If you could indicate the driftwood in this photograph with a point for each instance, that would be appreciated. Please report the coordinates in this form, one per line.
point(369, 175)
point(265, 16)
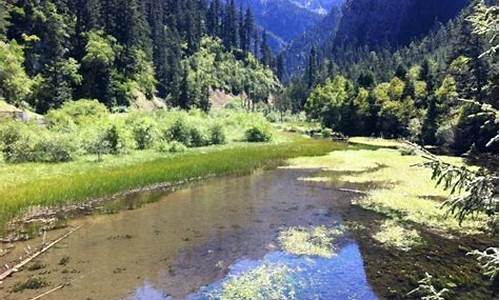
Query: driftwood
point(49, 292)
point(17, 267)
point(352, 191)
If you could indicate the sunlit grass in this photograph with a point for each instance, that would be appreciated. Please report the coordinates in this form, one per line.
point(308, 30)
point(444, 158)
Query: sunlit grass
point(398, 188)
point(266, 282)
point(315, 241)
point(55, 184)
point(394, 235)
point(377, 142)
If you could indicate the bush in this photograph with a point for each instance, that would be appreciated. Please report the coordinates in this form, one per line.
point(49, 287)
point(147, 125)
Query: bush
point(407, 150)
point(21, 143)
point(217, 135)
point(145, 133)
point(179, 132)
point(22, 150)
point(17, 143)
point(77, 112)
point(198, 138)
point(258, 134)
point(115, 137)
point(326, 132)
point(54, 148)
point(172, 147)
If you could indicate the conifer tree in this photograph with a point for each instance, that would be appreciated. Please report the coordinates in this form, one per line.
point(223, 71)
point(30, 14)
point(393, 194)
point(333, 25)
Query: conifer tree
point(312, 68)
point(266, 55)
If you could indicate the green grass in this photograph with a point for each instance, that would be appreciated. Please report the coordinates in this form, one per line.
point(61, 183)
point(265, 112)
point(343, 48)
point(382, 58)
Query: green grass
point(28, 185)
point(316, 241)
point(271, 281)
point(394, 186)
point(394, 235)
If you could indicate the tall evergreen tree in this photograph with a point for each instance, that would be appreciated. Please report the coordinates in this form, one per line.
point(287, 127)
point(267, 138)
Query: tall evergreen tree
point(4, 19)
point(312, 68)
point(214, 18)
point(266, 55)
point(230, 26)
point(249, 31)
point(280, 67)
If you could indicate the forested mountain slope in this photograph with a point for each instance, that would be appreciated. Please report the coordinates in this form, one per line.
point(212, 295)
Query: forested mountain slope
point(376, 24)
point(392, 22)
point(285, 20)
point(114, 51)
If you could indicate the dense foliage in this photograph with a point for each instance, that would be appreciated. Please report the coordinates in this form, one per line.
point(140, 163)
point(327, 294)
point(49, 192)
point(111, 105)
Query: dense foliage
point(86, 127)
point(413, 92)
point(117, 51)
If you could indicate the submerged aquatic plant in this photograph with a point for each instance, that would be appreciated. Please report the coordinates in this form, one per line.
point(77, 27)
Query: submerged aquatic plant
point(266, 282)
point(392, 234)
point(316, 241)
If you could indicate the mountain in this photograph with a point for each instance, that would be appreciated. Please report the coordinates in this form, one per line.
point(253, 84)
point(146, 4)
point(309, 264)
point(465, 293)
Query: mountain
point(372, 23)
point(297, 52)
point(284, 20)
point(393, 22)
point(320, 7)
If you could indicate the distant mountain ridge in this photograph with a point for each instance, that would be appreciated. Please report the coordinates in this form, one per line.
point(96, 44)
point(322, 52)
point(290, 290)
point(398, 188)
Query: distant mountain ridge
point(372, 23)
point(392, 22)
point(285, 20)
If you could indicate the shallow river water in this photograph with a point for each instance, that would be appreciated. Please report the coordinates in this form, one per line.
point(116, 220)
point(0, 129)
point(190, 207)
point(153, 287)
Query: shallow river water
point(186, 243)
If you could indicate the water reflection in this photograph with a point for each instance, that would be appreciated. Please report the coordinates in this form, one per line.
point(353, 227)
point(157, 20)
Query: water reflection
point(340, 277)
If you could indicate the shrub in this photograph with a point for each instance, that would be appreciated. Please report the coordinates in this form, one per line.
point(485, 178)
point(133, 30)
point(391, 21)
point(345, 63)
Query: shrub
point(22, 144)
point(217, 135)
point(198, 138)
point(77, 112)
point(22, 150)
point(326, 132)
point(17, 143)
point(115, 137)
point(172, 147)
point(179, 132)
point(145, 133)
point(54, 148)
point(406, 150)
point(258, 134)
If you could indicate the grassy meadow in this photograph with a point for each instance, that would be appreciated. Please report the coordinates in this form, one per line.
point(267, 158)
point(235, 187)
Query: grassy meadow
point(393, 185)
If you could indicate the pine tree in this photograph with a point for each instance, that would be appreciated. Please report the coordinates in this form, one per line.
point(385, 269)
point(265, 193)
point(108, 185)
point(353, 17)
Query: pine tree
point(312, 68)
point(4, 19)
point(430, 126)
point(174, 78)
point(266, 55)
point(159, 42)
point(280, 67)
point(185, 100)
point(214, 19)
point(230, 26)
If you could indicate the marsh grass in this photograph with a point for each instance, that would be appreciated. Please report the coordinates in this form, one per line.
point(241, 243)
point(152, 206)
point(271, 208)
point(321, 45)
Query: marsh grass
point(58, 184)
point(394, 235)
point(377, 142)
point(269, 281)
point(315, 241)
point(398, 188)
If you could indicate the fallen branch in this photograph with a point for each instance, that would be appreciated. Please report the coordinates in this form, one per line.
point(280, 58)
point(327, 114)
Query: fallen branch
point(49, 292)
point(17, 267)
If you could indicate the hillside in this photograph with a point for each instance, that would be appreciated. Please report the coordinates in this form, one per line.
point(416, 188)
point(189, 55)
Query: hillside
point(375, 24)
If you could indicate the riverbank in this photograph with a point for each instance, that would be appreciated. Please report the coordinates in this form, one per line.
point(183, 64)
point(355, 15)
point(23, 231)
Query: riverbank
point(38, 184)
point(398, 214)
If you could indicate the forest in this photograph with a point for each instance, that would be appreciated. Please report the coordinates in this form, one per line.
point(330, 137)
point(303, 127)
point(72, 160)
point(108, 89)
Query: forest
point(321, 156)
